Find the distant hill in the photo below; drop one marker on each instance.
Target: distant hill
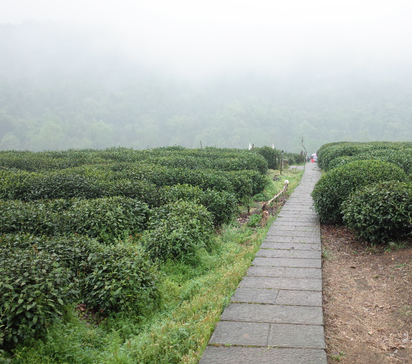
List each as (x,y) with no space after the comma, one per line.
(65,86)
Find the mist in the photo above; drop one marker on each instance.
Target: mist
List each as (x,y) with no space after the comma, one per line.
(88,74)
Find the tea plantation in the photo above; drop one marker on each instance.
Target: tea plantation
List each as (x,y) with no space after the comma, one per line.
(105,240)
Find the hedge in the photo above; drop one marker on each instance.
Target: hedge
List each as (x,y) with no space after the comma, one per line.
(381,212)
(335,186)
(177,231)
(221,204)
(328,152)
(122,278)
(40,277)
(400,157)
(34,290)
(34,186)
(107,219)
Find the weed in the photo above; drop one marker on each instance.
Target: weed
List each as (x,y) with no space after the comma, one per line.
(395,245)
(337,356)
(326,253)
(405,310)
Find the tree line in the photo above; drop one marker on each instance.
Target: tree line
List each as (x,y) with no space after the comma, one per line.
(46,105)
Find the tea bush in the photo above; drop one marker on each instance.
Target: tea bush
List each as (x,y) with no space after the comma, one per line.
(40,275)
(178,230)
(164,176)
(221,204)
(15,184)
(238,182)
(121,278)
(336,185)
(223,163)
(63,185)
(400,157)
(34,186)
(126,179)
(328,152)
(28,217)
(106,219)
(247,183)
(47,160)
(271,155)
(140,190)
(34,290)
(223,159)
(294,158)
(380,213)
(71,251)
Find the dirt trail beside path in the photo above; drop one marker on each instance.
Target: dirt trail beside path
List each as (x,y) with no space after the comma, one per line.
(367,300)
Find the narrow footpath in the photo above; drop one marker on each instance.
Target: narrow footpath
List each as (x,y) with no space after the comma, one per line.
(275,315)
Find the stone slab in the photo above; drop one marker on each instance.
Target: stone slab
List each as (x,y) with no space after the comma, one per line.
(265,271)
(255,295)
(281,222)
(299,298)
(296,336)
(276,296)
(248,355)
(307,226)
(288,262)
(298,219)
(288,246)
(303,272)
(294,234)
(280,239)
(276,314)
(296,272)
(262,334)
(306,240)
(281,232)
(293,206)
(289,227)
(302,284)
(288,253)
(306,234)
(241,333)
(268,271)
(295,215)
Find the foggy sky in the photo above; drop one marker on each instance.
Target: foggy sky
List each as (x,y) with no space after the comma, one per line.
(198,37)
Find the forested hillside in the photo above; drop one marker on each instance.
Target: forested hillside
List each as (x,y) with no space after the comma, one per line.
(66,87)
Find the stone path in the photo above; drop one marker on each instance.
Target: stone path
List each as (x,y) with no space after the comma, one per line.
(275,315)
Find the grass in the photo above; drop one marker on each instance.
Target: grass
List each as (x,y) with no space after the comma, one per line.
(292,175)
(338,356)
(179,330)
(395,245)
(326,254)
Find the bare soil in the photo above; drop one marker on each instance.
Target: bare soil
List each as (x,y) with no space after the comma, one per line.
(367,300)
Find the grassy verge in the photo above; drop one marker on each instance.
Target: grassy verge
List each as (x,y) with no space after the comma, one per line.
(178,331)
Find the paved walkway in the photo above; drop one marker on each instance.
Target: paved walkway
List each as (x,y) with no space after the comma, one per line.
(275,315)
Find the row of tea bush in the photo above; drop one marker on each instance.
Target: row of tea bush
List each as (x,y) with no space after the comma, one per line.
(368,187)
(93,181)
(207,158)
